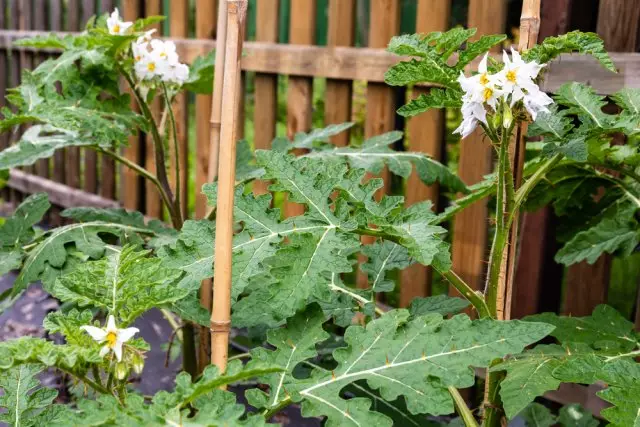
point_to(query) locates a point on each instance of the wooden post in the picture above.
(131, 183)
(221, 309)
(90, 183)
(302, 30)
(72, 154)
(426, 134)
(265, 114)
(470, 226)
(178, 28)
(153, 201)
(529, 28)
(384, 23)
(337, 105)
(206, 18)
(216, 103)
(107, 164)
(587, 285)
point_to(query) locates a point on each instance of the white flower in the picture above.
(177, 74)
(517, 80)
(115, 25)
(166, 50)
(112, 336)
(150, 65)
(478, 90)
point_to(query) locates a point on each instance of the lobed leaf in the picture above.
(574, 41)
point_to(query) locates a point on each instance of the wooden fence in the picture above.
(277, 74)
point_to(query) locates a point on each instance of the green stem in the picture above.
(176, 149)
(493, 412)
(476, 299)
(172, 321)
(267, 414)
(462, 408)
(239, 356)
(96, 374)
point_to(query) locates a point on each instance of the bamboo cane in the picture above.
(529, 29)
(221, 310)
(216, 101)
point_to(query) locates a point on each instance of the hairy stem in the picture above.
(176, 149)
(461, 408)
(267, 414)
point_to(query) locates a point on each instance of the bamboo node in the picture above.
(220, 325)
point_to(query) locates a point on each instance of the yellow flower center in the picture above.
(116, 29)
(112, 337)
(484, 79)
(151, 66)
(511, 76)
(163, 55)
(138, 58)
(488, 93)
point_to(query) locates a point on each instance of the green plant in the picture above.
(290, 276)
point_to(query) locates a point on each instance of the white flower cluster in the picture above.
(112, 337)
(514, 83)
(153, 58)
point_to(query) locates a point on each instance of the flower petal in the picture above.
(117, 349)
(482, 67)
(104, 350)
(96, 333)
(126, 334)
(111, 324)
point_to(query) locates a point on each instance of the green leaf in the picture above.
(26, 403)
(375, 153)
(476, 192)
(209, 406)
(17, 229)
(553, 125)
(575, 41)
(383, 257)
(605, 328)
(537, 415)
(529, 375)
(623, 392)
(10, 259)
(477, 48)
(201, 74)
(628, 99)
(431, 69)
(436, 98)
(417, 359)
(582, 101)
(441, 304)
(294, 344)
(307, 140)
(614, 229)
(127, 283)
(27, 350)
(45, 261)
(69, 324)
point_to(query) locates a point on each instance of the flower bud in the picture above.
(122, 370)
(496, 120)
(507, 114)
(137, 361)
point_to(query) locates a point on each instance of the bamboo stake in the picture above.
(529, 29)
(216, 102)
(221, 310)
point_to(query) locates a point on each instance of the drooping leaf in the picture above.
(28, 350)
(307, 140)
(201, 74)
(68, 325)
(537, 415)
(582, 101)
(18, 228)
(27, 404)
(127, 282)
(478, 191)
(45, 261)
(574, 41)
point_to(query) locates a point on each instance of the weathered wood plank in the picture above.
(426, 134)
(266, 85)
(350, 63)
(90, 183)
(107, 175)
(59, 194)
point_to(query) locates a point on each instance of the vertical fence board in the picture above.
(470, 226)
(426, 134)
(538, 279)
(179, 27)
(39, 24)
(587, 285)
(72, 154)
(107, 164)
(266, 85)
(152, 197)
(26, 58)
(4, 137)
(206, 19)
(341, 32)
(130, 182)
(14, 80)
(90, 183)
(302, 30)
(384, 23)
